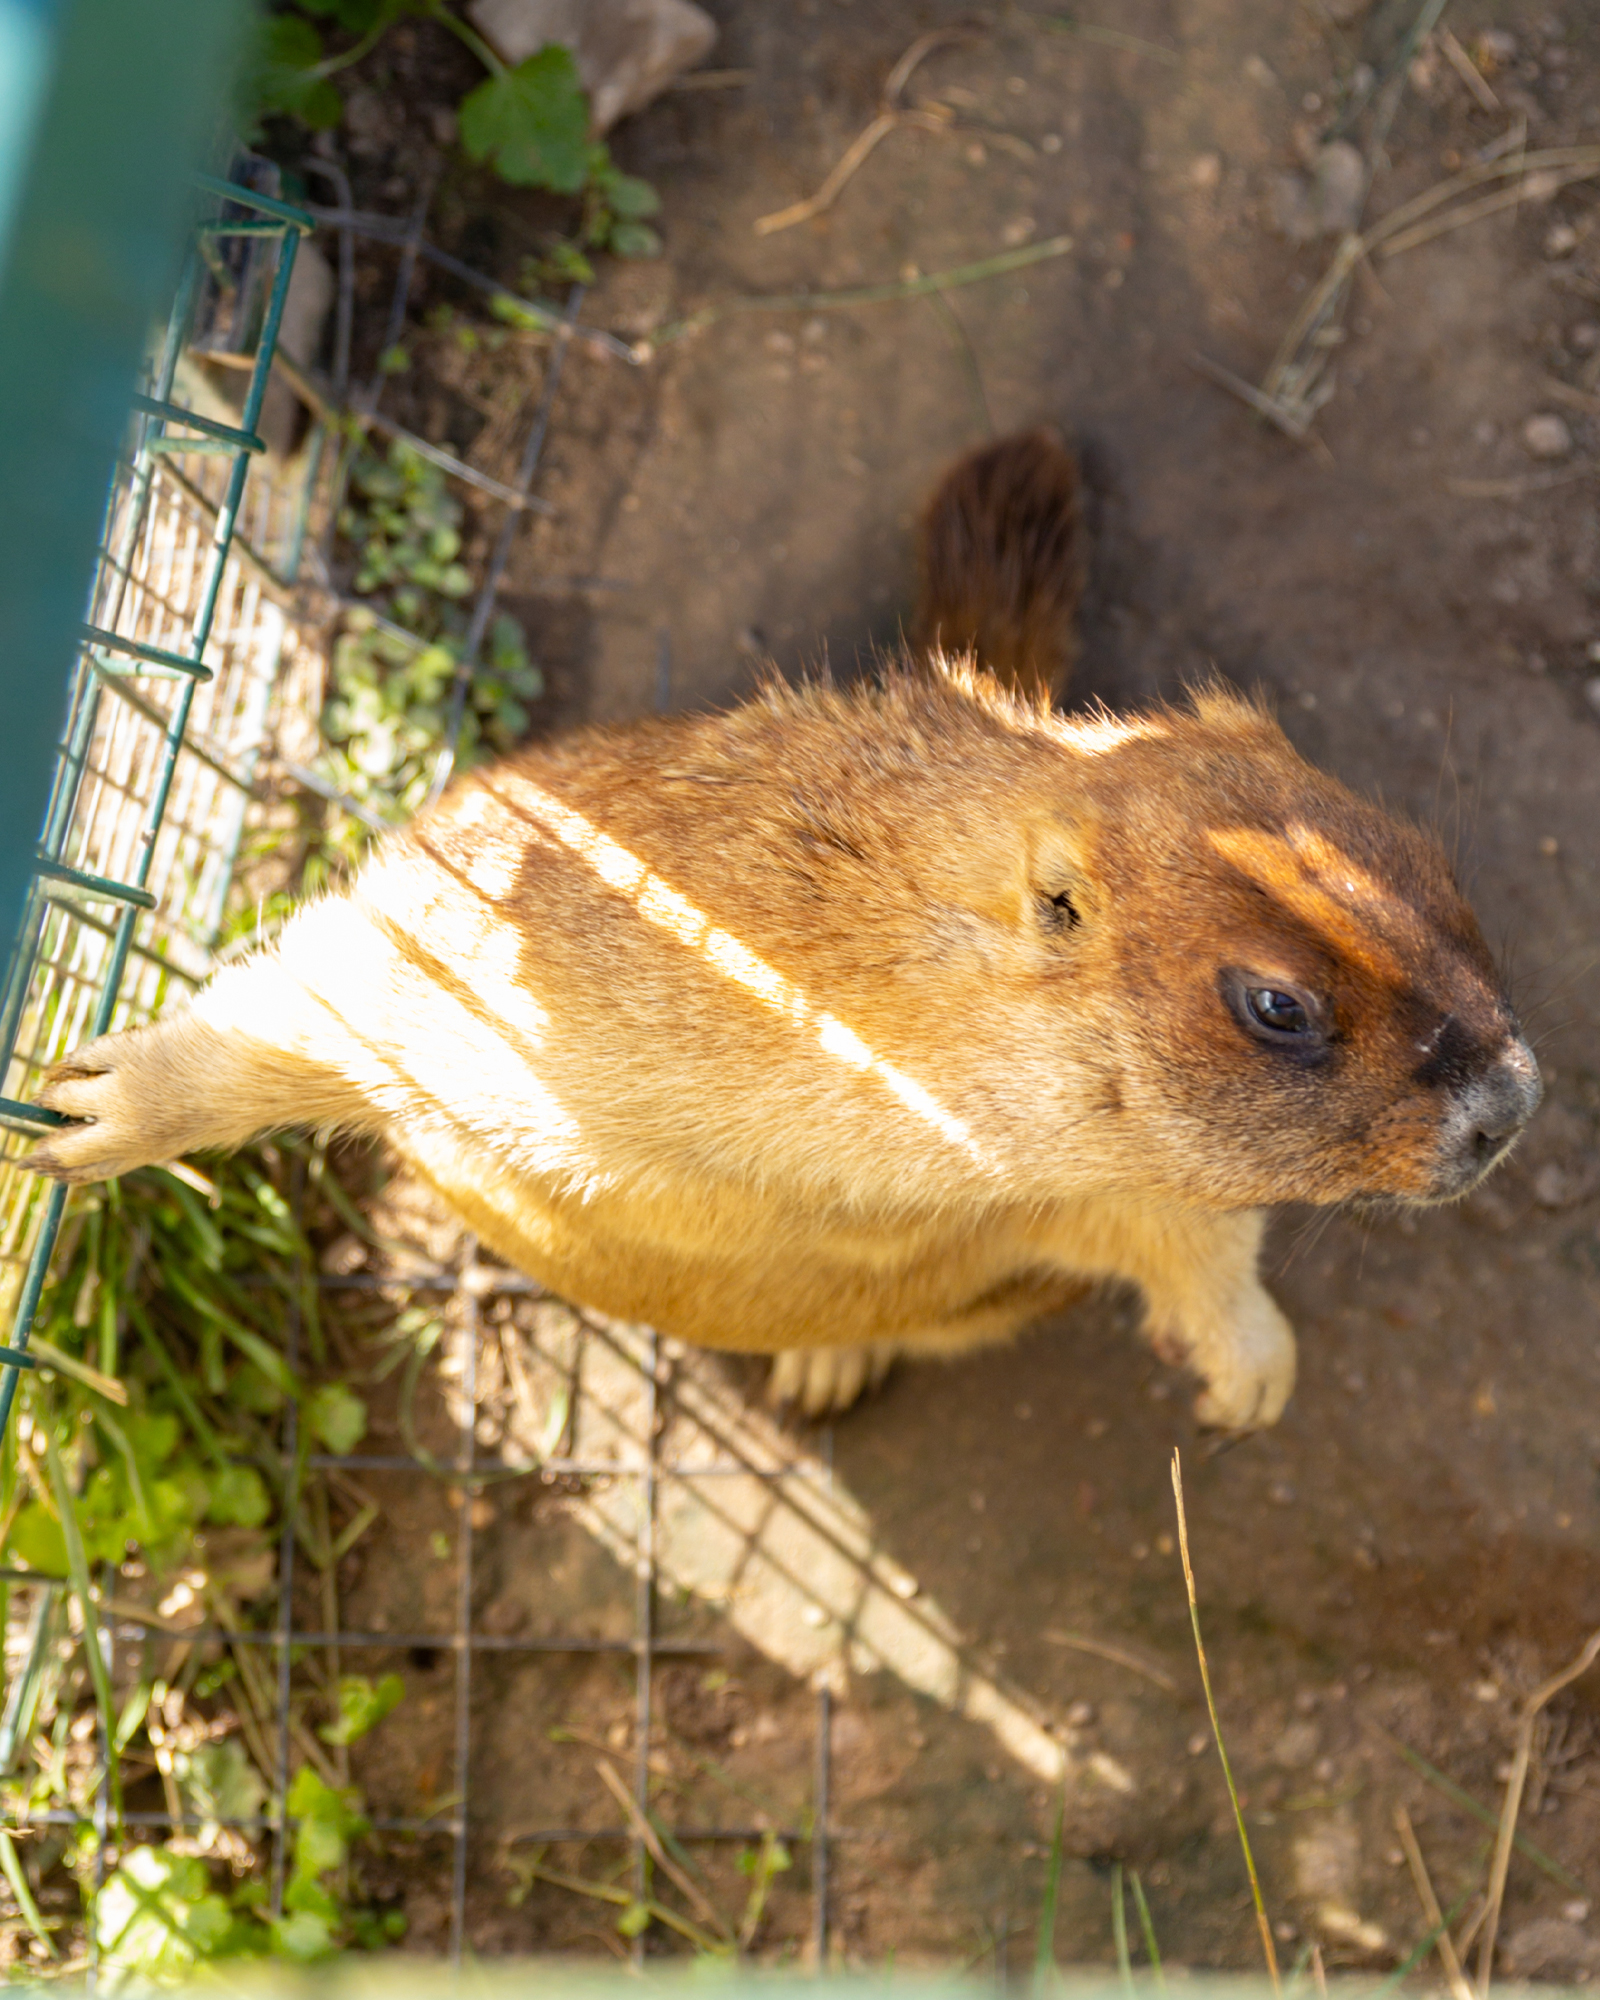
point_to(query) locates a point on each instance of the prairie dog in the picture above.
(881, 1020)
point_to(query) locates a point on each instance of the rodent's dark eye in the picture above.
(1286, 1017)
(1272, 1008)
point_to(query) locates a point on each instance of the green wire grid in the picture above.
(168, 713)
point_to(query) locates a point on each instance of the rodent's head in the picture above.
(1299, 1000)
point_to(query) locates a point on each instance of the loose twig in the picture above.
(1513, 1802)
(1216, 1730)
(891, 112)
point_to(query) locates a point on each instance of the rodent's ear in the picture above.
(1061, 892)
(1039, 880)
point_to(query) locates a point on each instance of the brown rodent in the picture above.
(882, 1020)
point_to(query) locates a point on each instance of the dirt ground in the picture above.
(1418, 1542)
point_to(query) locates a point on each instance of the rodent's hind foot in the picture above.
(825, 1381)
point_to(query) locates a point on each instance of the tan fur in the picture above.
(879, 1020)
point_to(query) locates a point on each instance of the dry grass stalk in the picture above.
(699, 1901)
(606, 1892)
(1262, 1924)
(1467, 70)
(1575, 399)
(891, 113)
(1536, 186)
(1111, 38)
(1293, 389)
(1444, 1944)
(1119, 1656)
(1501, 1864)
(1516, 488)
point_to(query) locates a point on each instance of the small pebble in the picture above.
(1591, 693)
(1560, 240)
(1576, 1912)
(1547, 436)
(1486, 1690)
(1583, 338)
(1549, 847)
(1080, 1715)
(1050, 143)
(1199, 1743)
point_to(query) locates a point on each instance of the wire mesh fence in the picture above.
(212, 595)
(166, 717)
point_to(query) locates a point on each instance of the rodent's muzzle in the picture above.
(1485, 1119)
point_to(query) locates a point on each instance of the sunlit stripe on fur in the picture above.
(662, 905)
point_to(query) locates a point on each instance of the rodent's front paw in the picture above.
(1249, 1368)
(1243, 1352)
(122, 1127)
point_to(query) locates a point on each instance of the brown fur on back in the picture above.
(1001, 556)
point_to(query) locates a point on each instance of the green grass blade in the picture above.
(11, 1862)
(78, 1565)
(1119, 1929)
(1269, 1950)
(1044, 1955)
(1148, 1931)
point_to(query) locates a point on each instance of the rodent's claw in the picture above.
(825, 1381)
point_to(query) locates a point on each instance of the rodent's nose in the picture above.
(1494, 1108)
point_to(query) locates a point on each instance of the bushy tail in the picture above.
(1001, 553)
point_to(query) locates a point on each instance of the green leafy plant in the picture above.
(528, 122)
(531, 123)
(317, 1920)
(362, 1706)
(160, 1417)
(394, 669)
